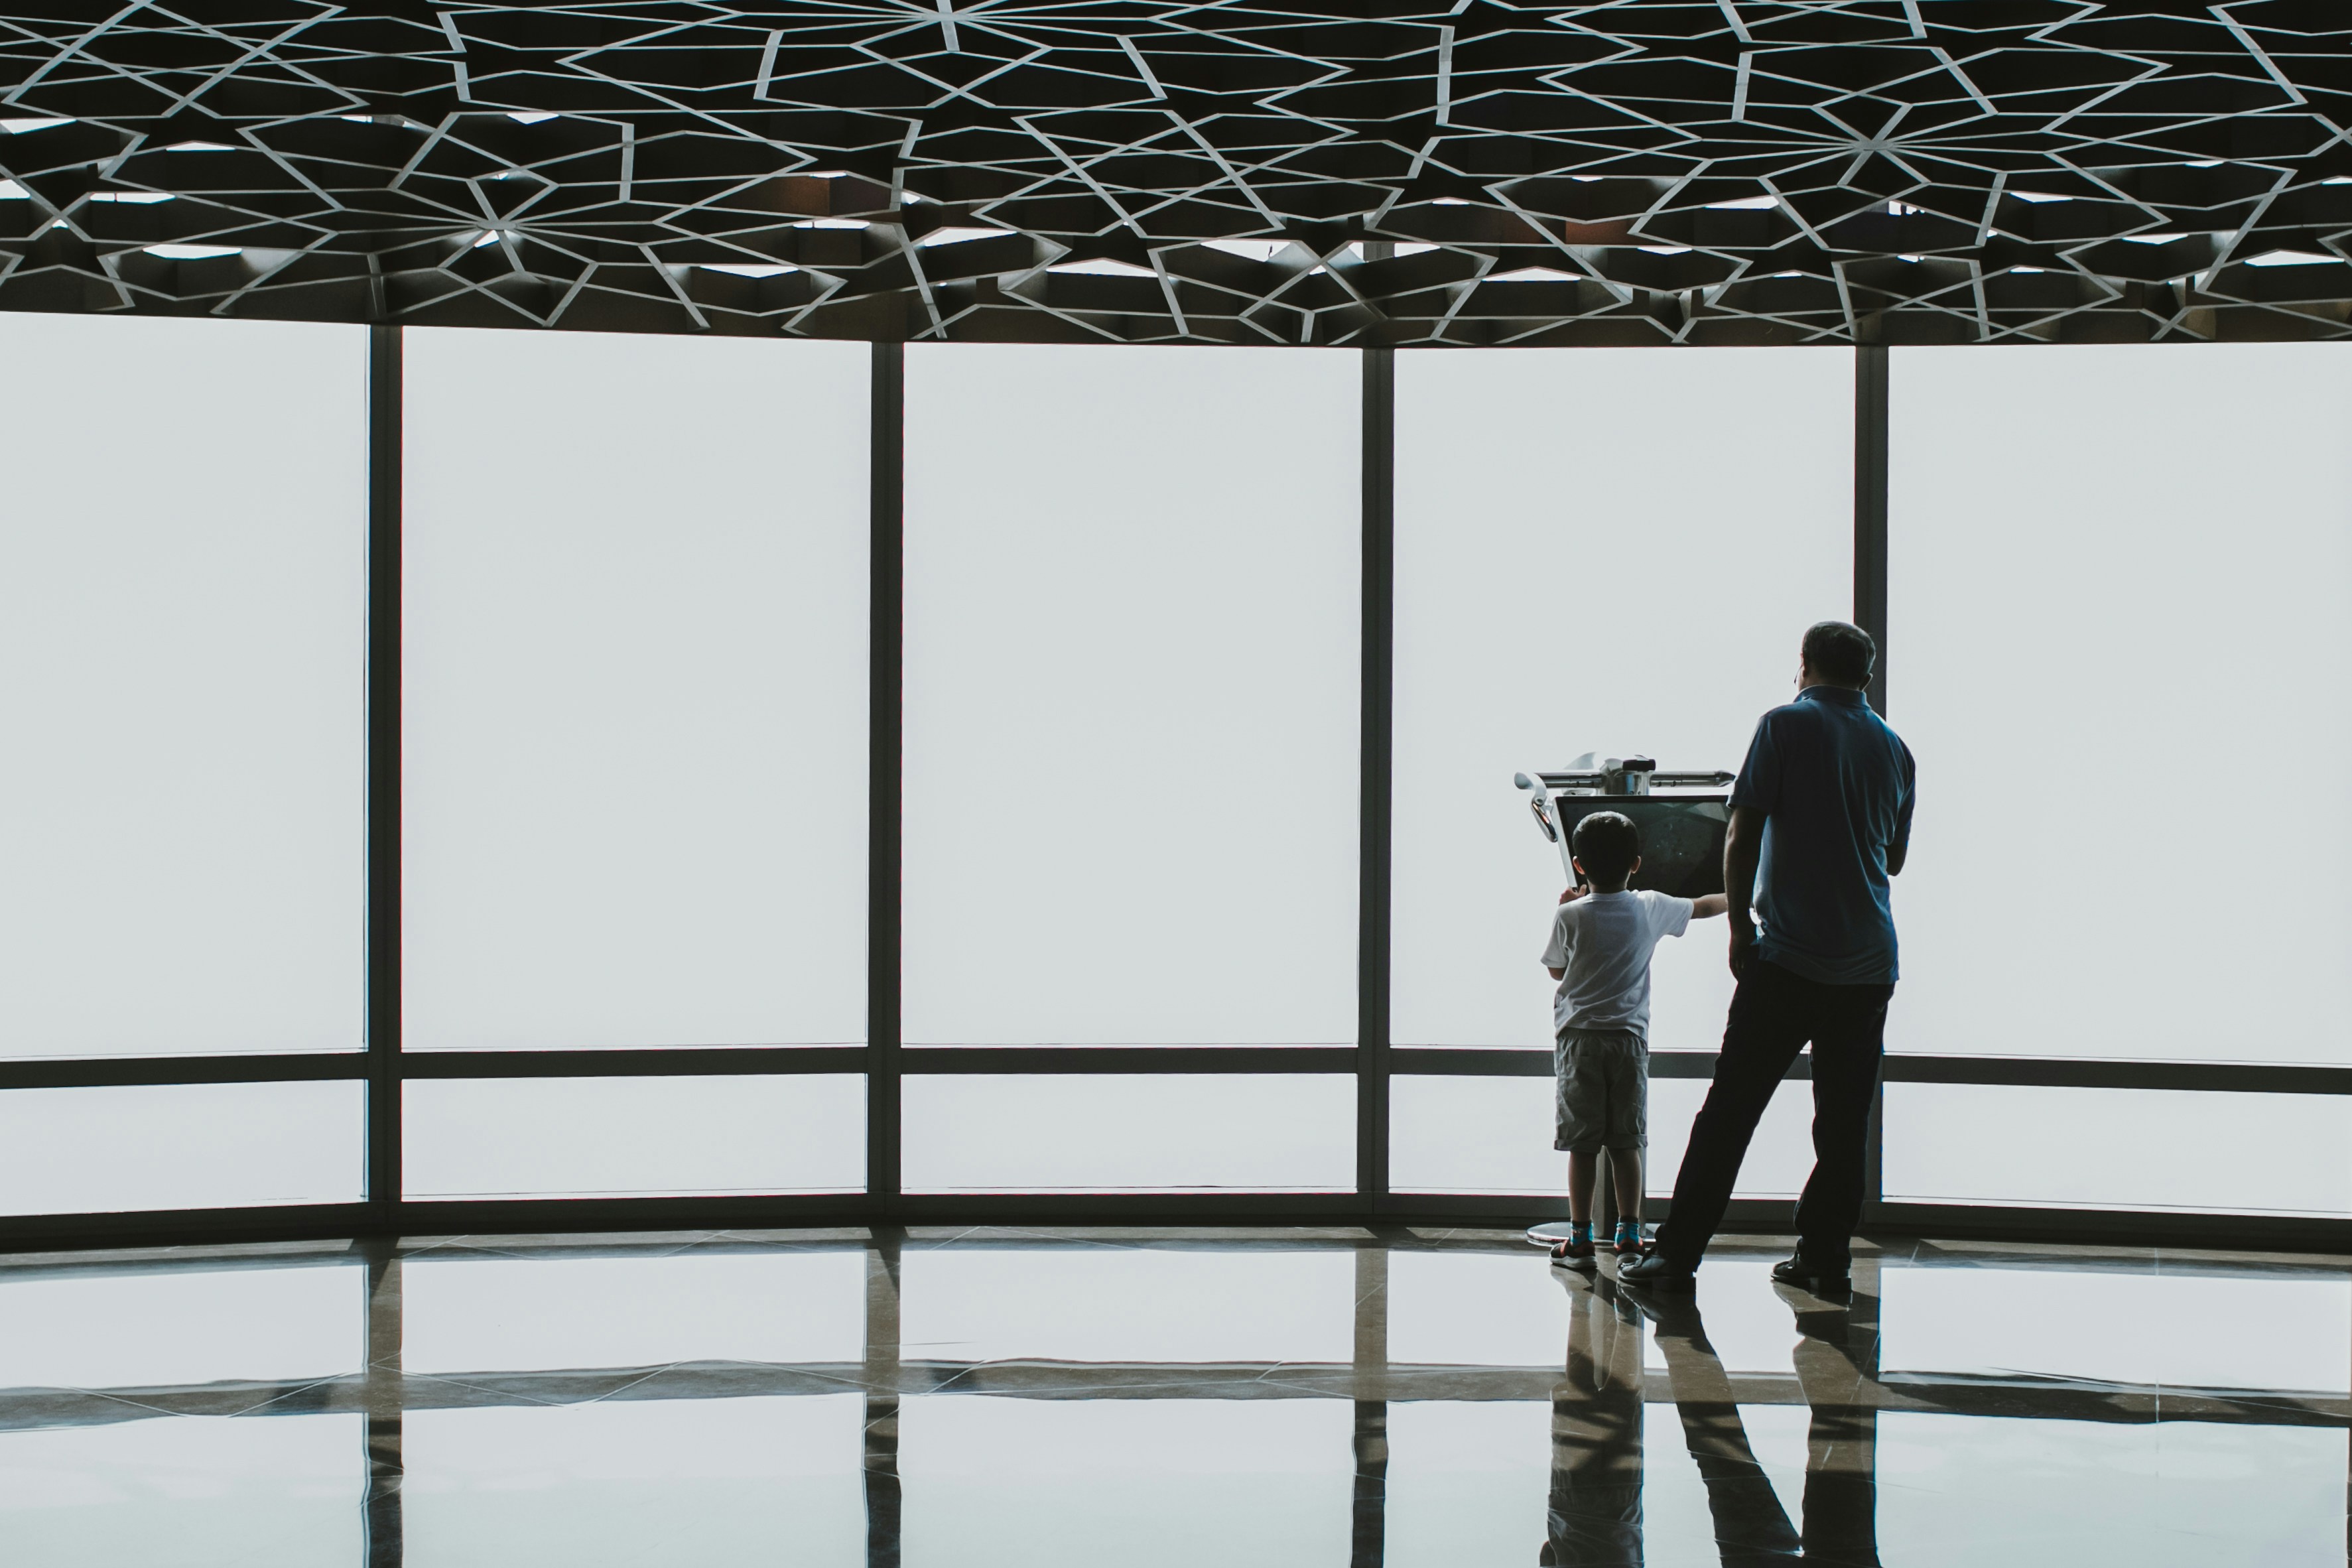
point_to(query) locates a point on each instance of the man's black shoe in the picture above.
(1800, 1275)
(1655, 1272)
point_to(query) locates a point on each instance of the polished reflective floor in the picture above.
(1161, 1398)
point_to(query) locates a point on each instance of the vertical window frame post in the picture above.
(383, 771)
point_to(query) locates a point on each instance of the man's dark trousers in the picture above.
(1774, 1013)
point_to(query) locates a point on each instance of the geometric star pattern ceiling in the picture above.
(1147, 171)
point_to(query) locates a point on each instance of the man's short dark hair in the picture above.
(1606, 843)
(1837, 651)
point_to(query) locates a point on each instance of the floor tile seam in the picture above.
(2025, 1379)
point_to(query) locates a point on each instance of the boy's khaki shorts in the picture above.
(1602, 1078)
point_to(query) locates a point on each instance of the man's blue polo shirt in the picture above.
(1835, 785)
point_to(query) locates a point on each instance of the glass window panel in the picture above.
(1495, 1135)
(539, 1314)
(1131, 695)
(2169, 1494)
(2145, 597)
(2122, 1324)
(1127, 1304)
(1569, 578)
(179, 1326)
(281, 1491)
(1146, 1483)
(182, 616)
(605, 1137)
(180, 1146)
(617, 1481)
(636, 690)
(2121, 1148)
(1130, 1132)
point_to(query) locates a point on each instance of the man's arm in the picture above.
(1743, 845)
(1709, 906)
(1895, 853)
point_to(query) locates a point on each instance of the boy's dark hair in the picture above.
(1837, 651)
(1606, 843)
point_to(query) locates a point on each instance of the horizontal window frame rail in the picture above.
(2058, 1399)
(2021, 1072)
(1422, 1061)
(425, 1218)
(1115, 1060)
(660, 1061)
(133, 1072)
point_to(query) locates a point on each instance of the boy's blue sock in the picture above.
(1580, 1230)
(1628, 1228)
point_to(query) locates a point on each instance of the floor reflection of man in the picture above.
(1751, 1526)
(1597, 1455)
(1595, 1510)
(1837, 1361)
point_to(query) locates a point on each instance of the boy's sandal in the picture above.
(1566, 1251)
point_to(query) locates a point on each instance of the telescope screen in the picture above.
(1682, 838)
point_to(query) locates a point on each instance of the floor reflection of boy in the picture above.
(1595, 1507)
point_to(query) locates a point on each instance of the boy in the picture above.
(1602, 939)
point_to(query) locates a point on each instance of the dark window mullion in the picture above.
(885, 757)
(1870, 410)
(383, 770)
(1377, 635)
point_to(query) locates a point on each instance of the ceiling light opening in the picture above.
(200, 147)
(531, 116)
(830, 223)
(2038, 197)
(1102, 267)
(136, 199)
(193, 252)
(1250, 250)
(749, 268)
(2292, 258)
(1747, 205)
(954, 234)
(26, 127)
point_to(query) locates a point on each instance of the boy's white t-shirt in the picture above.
(1605, 941)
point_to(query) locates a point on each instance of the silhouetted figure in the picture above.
(1821, 818)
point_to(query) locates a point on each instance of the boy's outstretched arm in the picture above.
(1709, 906)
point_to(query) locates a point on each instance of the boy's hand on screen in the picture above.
(1570, 896)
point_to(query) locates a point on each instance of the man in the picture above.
(1821, 818)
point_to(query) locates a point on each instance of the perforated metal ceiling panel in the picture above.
(1820, 171)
